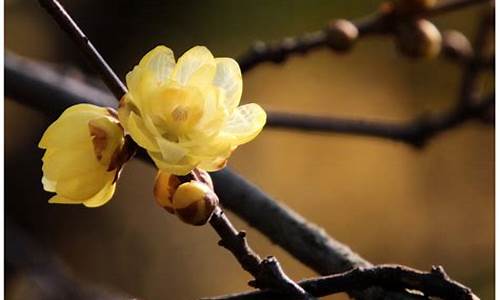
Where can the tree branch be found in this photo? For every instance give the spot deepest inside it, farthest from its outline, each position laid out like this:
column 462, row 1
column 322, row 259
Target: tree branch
column 267, row 272
column 416, row 132
column 381, row 22
column 435, row 283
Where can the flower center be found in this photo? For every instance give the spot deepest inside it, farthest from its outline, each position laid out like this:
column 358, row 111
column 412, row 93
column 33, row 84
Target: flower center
column 180, row 114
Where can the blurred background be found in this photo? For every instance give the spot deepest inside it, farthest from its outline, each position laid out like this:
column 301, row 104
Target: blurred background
column 389, row 202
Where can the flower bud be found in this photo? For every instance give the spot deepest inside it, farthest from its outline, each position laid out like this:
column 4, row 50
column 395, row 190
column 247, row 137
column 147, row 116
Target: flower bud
column 418, row 38
column 456, row 45
column 341, row 34
column 194, row 202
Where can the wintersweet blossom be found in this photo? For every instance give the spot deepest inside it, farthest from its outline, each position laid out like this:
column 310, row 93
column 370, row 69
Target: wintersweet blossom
column 80, row 161
column 186, row 114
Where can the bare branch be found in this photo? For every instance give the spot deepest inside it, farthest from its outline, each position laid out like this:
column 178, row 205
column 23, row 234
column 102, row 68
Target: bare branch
column 379, row 23
column 416, row 132
column 435, row 283
column 267, row 272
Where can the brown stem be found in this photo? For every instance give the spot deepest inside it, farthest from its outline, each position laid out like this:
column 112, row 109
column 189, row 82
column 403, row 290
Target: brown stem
column 435, row 283
column 267, row 272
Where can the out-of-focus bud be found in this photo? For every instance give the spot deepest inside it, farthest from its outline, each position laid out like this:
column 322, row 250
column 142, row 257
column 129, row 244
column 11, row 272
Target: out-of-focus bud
column 418, row 38
column 341, row 34
column 456, row 45
column 412, row 6
column 194, row 202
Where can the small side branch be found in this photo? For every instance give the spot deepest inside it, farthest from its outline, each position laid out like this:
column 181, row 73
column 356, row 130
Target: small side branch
column 435, row 283
column 267, row 272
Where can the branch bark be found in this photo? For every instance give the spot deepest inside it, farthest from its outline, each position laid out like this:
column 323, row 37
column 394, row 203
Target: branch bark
column 435, row 283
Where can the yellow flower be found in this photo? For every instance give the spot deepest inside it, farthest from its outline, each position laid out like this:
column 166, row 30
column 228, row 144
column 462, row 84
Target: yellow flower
column 186, row 114
column 80, row 161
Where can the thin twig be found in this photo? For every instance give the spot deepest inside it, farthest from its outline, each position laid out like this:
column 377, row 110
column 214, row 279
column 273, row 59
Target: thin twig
column 435, row 283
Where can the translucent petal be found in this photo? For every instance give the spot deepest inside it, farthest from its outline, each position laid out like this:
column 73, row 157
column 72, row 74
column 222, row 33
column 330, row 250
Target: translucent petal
column 48, row 185
column 244, row 124
column 140, row 133
column 170, row 151
column 190, row 62
column 228, row 78
column 177, row 169
column 102, row 197
column 160, row 61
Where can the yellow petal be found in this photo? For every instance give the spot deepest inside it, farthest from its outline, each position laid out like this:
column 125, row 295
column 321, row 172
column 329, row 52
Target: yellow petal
column 244, row 124
column 140, row 133
column 190, row 62
column 102, row 197
column 84, row 186
column 160, row 61
column 182, row 168
column 171, row 152
column 228, row 78
column 71, row 127
column 63, row 200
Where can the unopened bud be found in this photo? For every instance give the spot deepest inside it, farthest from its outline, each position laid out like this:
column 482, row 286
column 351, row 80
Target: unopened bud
column 456, row 45
column 194, row 202
column 341, row 34
column 418, row 38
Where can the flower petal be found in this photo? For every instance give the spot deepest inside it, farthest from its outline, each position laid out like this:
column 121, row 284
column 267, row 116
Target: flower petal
column 140, row 133
column 190, row 62
column 102, row 197
column 228, row 78
column 244, row 124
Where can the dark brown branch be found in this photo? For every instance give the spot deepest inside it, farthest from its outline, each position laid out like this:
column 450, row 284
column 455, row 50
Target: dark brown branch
column 435, row 283
column 416, row 132
column 380, row 22
column 267, row 272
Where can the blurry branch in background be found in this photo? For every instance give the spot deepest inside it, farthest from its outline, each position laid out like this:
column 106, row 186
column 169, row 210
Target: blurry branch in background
column 435, row 283
column 47, row 276
column 341, row 35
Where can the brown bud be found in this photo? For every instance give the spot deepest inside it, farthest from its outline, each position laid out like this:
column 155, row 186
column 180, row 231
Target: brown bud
column 194, row 202
column 456, row 45
column 341, row 34
column 418, row 38
column 412, row 6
